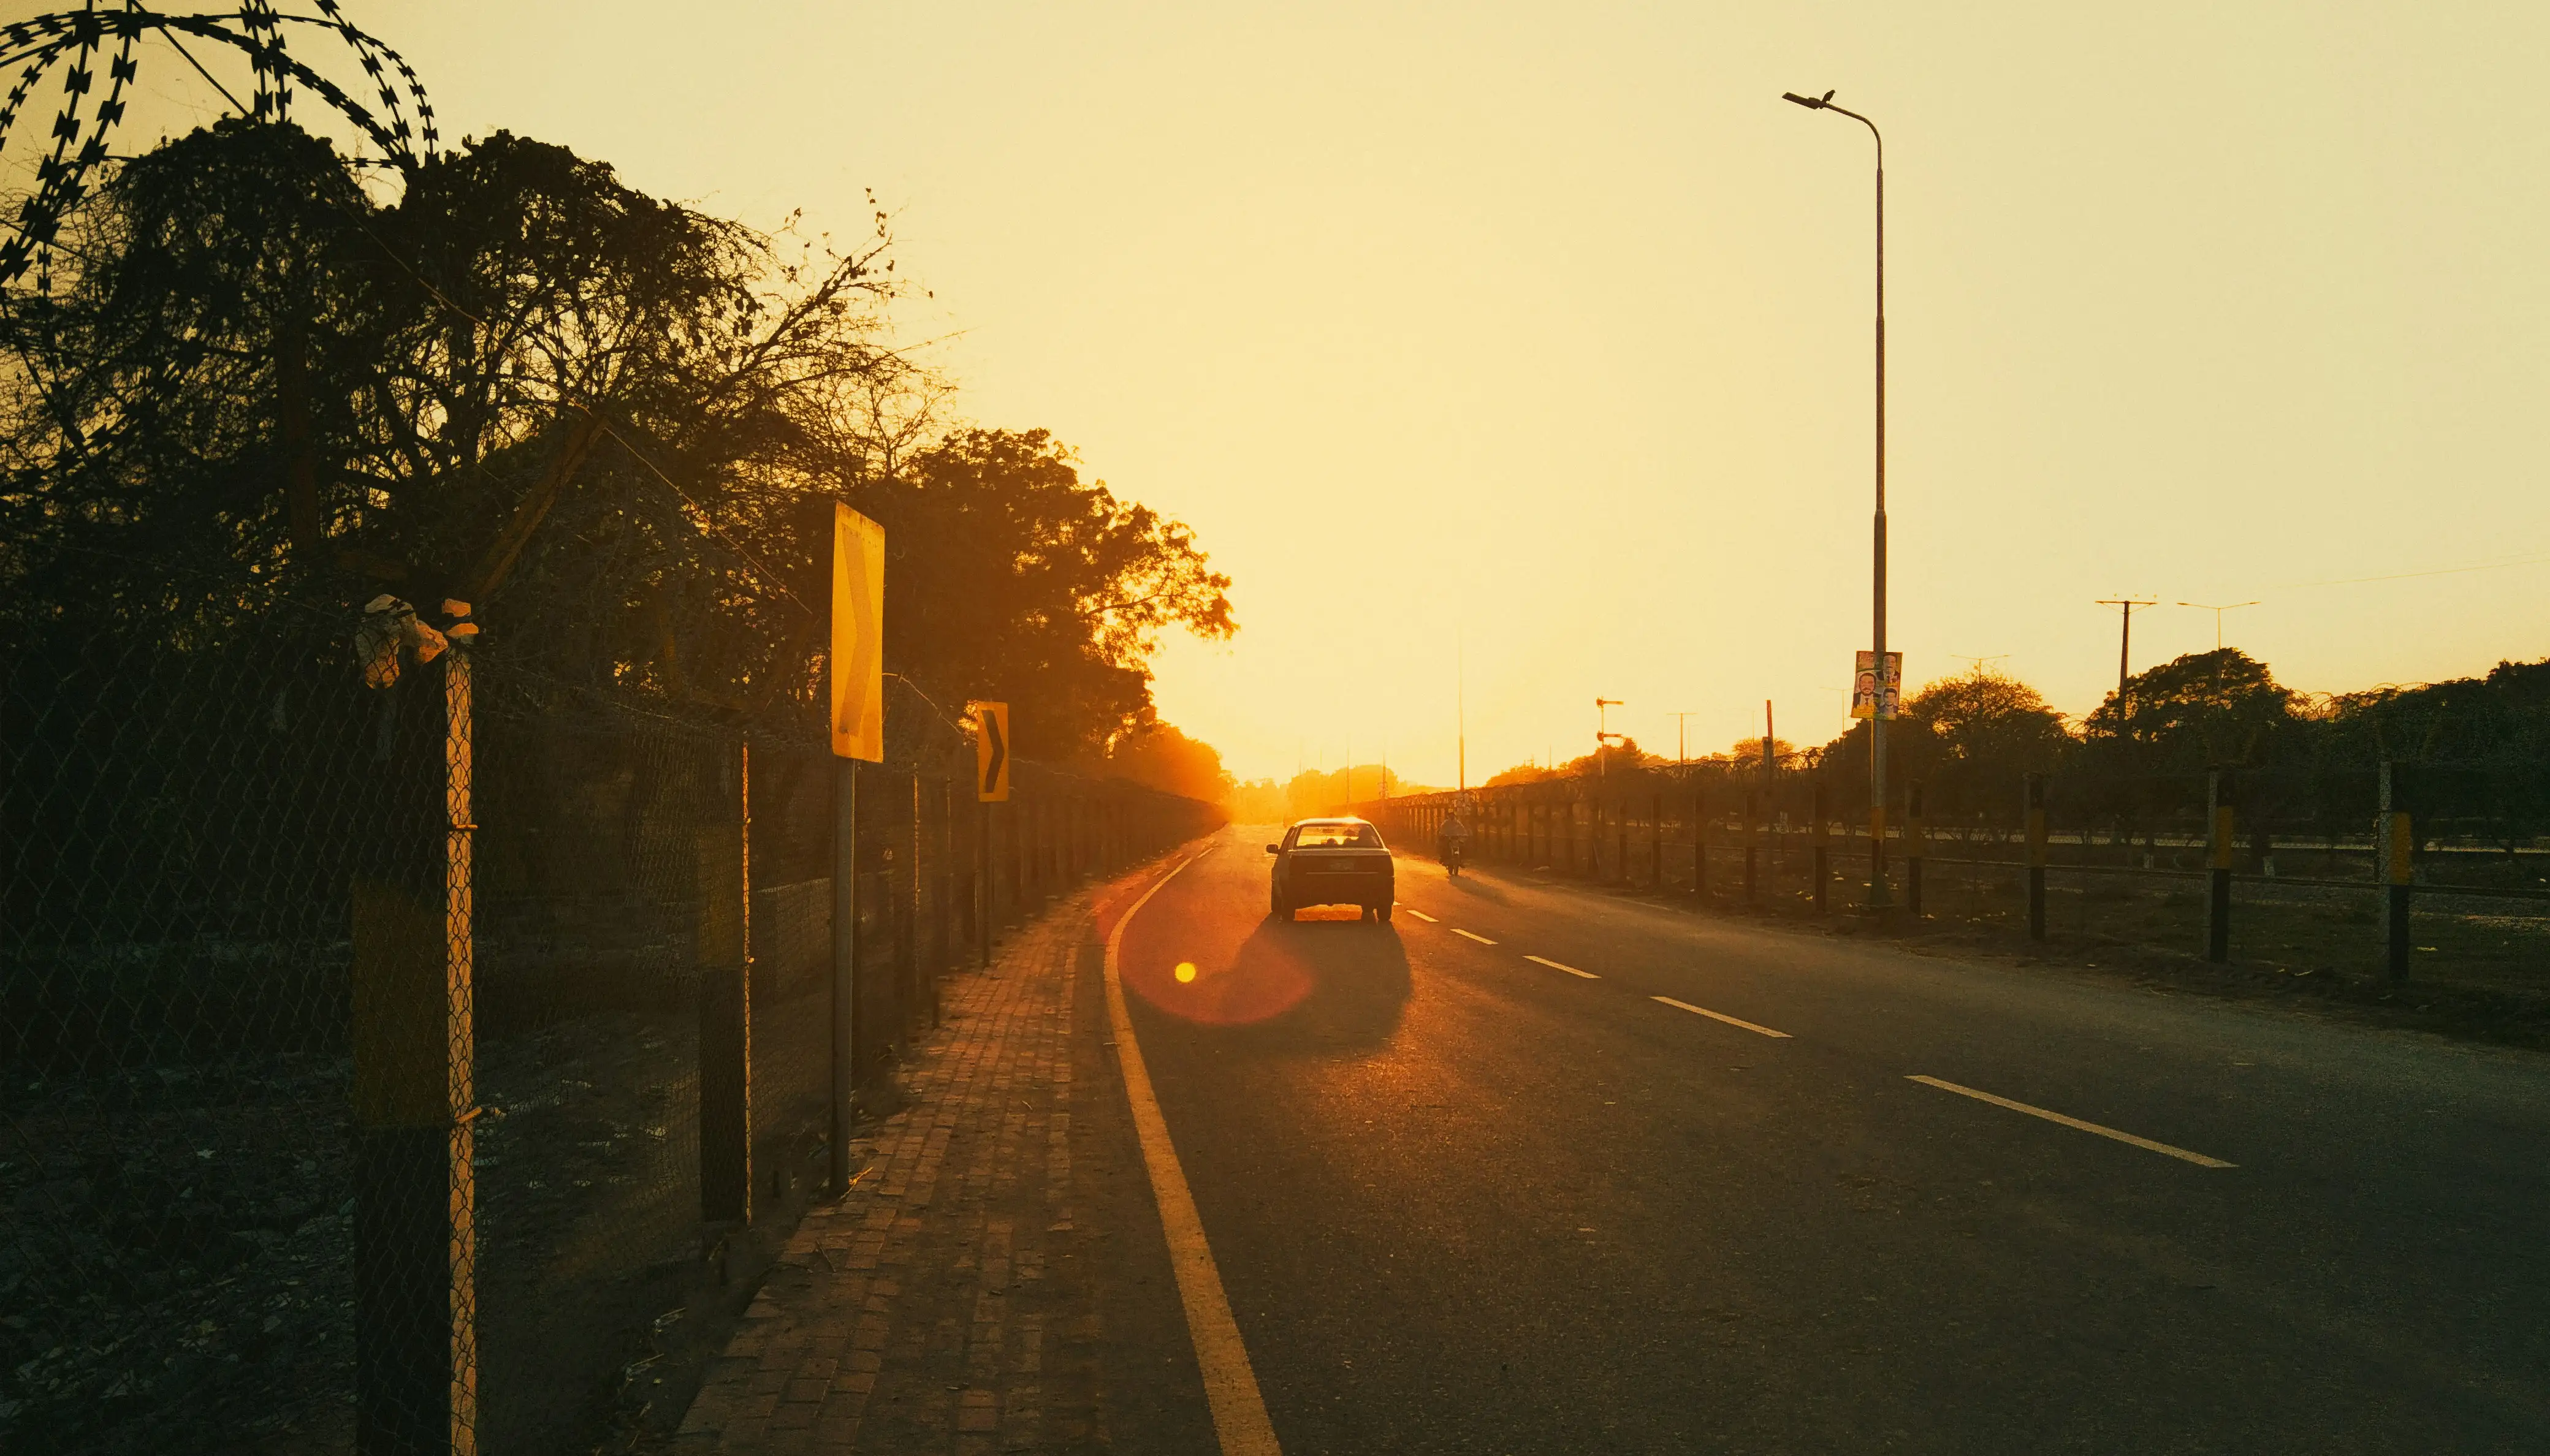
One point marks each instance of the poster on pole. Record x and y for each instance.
(1870, 698)
(991, 751)
(859, 635)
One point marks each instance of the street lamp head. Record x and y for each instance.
(1810, 103)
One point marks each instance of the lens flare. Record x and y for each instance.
(1185, 970)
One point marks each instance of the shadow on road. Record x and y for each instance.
(1470, 882)
(1309, 988)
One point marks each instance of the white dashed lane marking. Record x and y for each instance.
(2145, 1143)
(1555, 966)
(1702, 1010)
(1420, 914)
(1473, 934)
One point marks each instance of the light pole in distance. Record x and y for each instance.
(2218, 616)
(1877, 895)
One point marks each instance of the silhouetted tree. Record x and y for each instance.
(2205, 709)
(613, 424)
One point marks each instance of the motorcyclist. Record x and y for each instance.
(1452, 841)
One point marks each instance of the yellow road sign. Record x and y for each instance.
(991, 751)
(859, 635)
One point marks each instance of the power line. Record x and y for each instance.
(2412, 575)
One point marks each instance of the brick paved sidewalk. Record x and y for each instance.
(949, 1303)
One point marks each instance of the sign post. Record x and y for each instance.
(1879, 697)
(857, 702)
(991, 786)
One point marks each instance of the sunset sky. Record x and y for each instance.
(1548, 326)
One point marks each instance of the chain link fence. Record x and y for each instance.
(2441, 877)
(397, 1042)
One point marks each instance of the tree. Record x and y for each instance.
(522, 384)
(1161, 757)
(1011, 577)
(2194, 711)
(1314, 792)
(1744, 756)
(1258, 802)
(613, 425)
(2503, 716)
(1970, 741)
(1981, 724)
(1625, 756)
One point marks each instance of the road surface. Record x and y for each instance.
(1535, 1169)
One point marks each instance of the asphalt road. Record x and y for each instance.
(1464, 1200)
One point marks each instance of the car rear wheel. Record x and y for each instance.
(1380, 913)
(1276, 909)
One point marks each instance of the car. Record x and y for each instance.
(1331, 861)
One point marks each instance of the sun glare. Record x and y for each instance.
(1185, 970)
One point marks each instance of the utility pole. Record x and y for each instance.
(2126, 643)
(1770, 753)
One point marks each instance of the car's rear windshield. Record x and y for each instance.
(1337, 836)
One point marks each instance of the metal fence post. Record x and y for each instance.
(908, 950)
(1752, 833)
(725, 1006)
(1822, 839)
(1040, 847)
(415, 1047)
(1917, 843)
(2035, 823)
(1699, 841)
(2395, 841)
(943, 957)
(2217, 879)
(846, 961)
(1656, 843)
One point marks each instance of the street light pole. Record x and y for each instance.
(1877, 894)
(2217, 616)
(1682, 727)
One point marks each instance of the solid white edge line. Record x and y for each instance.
(1721, 1016)
(1555, 966)
(1420, 914)
(1473, 934)
(2145, 1143)
(1230, 1384)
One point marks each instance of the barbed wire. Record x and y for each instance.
(39, 45)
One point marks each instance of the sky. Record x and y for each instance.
(1510, 357)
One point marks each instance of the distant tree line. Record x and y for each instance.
(1971, 738)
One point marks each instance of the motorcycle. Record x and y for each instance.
(1452, 857)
